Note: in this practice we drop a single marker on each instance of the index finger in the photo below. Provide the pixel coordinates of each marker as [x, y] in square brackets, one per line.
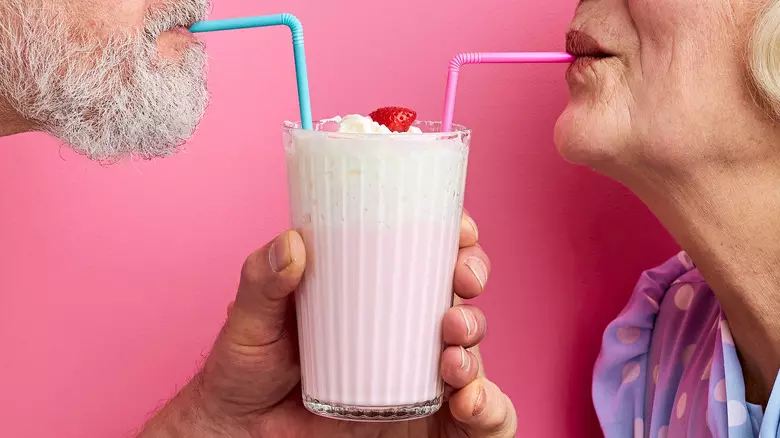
[469, 234]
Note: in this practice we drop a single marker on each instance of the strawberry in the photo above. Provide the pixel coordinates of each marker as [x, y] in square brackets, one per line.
[395, 118]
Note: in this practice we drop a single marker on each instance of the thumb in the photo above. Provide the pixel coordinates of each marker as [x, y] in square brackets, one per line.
[268, 277]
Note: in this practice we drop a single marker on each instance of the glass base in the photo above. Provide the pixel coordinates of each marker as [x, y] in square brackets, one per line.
[372, 413]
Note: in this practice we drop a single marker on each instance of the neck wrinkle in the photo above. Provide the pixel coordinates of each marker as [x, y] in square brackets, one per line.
[728, 220]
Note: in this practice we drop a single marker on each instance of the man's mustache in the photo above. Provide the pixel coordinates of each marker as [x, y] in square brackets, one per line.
[181, 13]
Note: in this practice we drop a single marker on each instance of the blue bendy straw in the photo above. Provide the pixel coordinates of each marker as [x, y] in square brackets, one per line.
[289, 20]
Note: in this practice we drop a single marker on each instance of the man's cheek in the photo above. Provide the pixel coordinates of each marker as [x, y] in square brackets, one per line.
[110, 16]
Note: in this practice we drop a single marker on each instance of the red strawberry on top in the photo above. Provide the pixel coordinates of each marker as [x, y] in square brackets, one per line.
[395, 118]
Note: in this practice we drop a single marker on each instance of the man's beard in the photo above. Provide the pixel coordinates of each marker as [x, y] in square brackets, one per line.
[106, 98]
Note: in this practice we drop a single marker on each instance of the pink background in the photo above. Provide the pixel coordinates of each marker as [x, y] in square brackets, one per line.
[114, 280]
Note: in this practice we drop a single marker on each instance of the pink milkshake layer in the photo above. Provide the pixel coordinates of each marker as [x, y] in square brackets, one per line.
[380, 217]
[372, 311]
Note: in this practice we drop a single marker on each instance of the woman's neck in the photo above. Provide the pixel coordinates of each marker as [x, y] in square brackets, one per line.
[728, 219]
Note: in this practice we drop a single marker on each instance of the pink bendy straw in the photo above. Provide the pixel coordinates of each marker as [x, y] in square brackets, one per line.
[490, 58]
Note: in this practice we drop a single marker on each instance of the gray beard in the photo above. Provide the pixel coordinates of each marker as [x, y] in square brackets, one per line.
[107, 99]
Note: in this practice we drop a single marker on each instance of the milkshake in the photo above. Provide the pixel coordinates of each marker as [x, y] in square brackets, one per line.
[379, 212]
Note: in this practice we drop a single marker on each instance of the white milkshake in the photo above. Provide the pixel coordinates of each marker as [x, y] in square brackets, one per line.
[380, 214]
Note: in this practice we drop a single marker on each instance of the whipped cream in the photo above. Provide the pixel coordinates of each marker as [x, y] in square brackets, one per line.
[357, 124]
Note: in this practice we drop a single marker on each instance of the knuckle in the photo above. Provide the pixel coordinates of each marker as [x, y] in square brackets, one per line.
[253, 270]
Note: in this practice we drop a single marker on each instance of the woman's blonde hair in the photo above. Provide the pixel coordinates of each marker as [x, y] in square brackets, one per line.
[764, 57]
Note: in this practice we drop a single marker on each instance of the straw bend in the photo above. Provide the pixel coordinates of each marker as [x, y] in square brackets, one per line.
[465, 58]
[295, 25]
[489, 58]
[301, 73]
[296, 28]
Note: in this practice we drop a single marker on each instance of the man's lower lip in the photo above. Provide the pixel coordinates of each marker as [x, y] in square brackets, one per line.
[181, 30]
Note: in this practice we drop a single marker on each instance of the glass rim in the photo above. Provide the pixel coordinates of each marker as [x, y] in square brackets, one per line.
[457, 131]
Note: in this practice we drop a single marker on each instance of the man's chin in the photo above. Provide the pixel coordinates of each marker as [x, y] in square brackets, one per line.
[115, 144]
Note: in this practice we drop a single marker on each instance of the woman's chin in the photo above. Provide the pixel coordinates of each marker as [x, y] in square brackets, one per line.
[583, 138]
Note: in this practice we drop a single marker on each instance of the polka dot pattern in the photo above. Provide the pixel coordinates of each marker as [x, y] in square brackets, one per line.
[685, 261]
[720, 391]
[681, 403]
[707, 370]
[653, 302]
[639, 428]
[628, 335]
[725, 333]
[737, 413]
[694, 380]
[631, 372]
[687, 354]
[683, 297]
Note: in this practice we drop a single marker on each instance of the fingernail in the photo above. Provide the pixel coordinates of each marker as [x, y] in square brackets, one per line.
[279, 254]
[480, 403]
[473, 226]
[465, 360]
[478, 268]
[471, 322]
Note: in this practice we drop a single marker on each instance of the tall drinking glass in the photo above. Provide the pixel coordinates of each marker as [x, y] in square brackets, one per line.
[380, 217]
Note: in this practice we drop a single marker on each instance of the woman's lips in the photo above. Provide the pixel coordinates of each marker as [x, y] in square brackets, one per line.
[580, 44]
[586, 49]
[583, 62]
